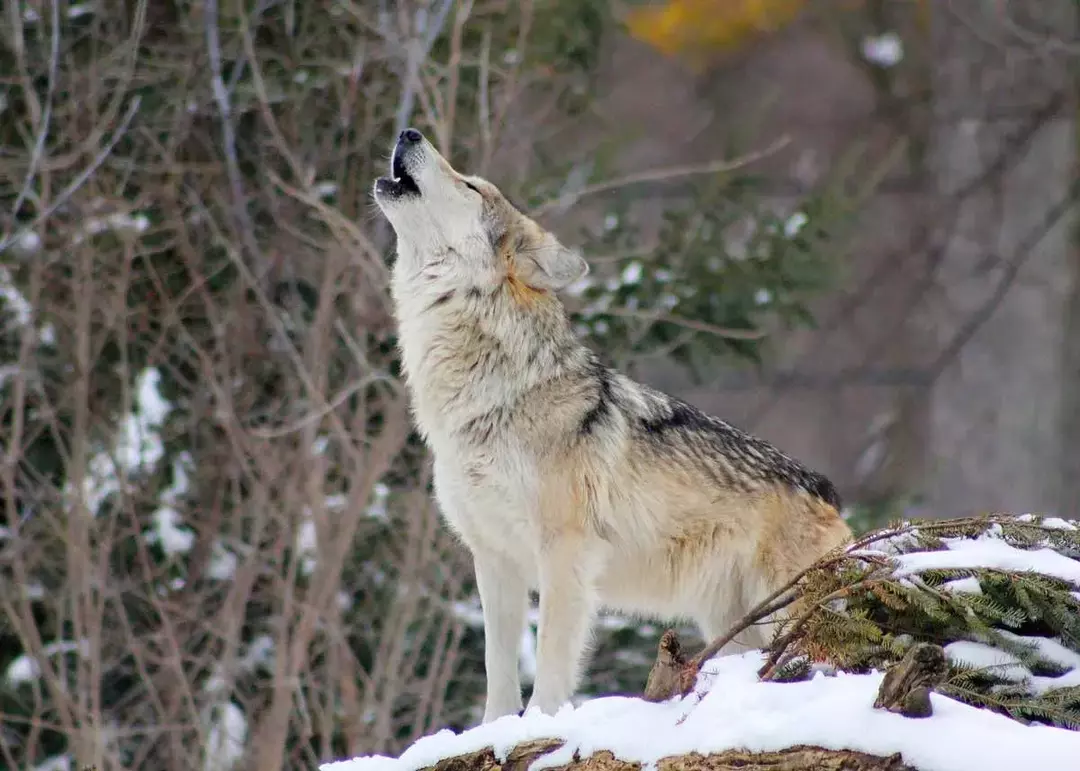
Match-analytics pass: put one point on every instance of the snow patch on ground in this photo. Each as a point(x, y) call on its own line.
point(742, 713)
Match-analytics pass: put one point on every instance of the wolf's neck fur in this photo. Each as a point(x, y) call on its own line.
point(472, 351)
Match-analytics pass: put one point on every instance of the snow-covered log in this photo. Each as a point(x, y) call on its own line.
point(524, 756)
point(938, 646)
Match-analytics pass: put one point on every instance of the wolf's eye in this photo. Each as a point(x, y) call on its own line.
point(471, 186)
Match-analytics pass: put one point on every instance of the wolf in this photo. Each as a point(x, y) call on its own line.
point(558, 473)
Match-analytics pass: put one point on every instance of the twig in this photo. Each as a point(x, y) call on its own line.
point(1022, 253)
point(43, 117)
point(416, 52)
point(483, 105)
point(510, 85)
point(241, 220)
point(446, 126)
point(660, 175)
point(767, 607)
point(332, 404)
point(338, 223)
point(697, 326)
point(86, 173)
point(665, 682)
point(932, 243)
point(768, 669)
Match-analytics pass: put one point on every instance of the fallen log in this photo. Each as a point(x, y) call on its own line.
point(520, 758)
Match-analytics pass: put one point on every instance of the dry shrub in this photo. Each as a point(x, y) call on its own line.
point(218, 546)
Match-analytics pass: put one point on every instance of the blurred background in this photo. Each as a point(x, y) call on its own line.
point(847, 226)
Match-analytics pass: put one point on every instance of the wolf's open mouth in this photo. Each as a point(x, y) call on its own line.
point(401, 181)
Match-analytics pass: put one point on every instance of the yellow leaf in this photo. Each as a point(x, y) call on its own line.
point(694, 29)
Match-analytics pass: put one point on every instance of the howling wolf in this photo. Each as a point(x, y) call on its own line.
point(560, 474)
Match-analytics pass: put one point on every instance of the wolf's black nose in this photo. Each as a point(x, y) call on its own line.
point(410, 136)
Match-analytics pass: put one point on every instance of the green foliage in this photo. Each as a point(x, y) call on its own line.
point(863, 613)
point(864, 516)
point(729, 273)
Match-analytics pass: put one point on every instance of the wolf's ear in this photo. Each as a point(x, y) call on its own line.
point(550, 265)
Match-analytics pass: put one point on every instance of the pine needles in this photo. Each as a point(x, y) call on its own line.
point(1001, 595)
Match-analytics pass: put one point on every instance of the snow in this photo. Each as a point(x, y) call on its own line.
point(631, 274)
point(1053, 651)
point(226, 739)
point(22, 670)
point(119, 222)
point(1010, 667)
point(1057, 523)
point(891, 543)
point(1052, 523)
point(988, 551)
point(74, 11)
point(26, 668)
point(139, 446)
point(981, 656)
point(169, 529)
point(307, 545)
point(380, 494)
point(27, 242)
point(140, 442)
point(969, 585)
point(12, 300)
point(795, 223)
point(885, 50)
point(56, 763)
point(170, 533)
point(743, 713)
point(223, 563)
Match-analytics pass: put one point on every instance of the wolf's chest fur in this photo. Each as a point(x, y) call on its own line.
point(478, 369)
point(496, 387)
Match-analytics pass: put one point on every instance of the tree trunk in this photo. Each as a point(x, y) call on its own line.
point(1005, 279)
point(791, 759)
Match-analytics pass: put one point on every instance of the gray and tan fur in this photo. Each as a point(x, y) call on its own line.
point(560, 474)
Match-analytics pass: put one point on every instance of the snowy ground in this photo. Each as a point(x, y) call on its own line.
point(739, 712)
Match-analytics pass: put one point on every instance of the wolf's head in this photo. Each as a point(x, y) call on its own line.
point(465, 226)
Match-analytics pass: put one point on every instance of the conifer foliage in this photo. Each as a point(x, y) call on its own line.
point(1000, 593)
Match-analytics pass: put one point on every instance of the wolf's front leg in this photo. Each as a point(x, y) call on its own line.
point(567, 608)
point(504, 598)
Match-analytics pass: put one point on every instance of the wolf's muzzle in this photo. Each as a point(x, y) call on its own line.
point(401, 182)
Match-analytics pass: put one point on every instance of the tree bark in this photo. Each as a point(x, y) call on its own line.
point(799, 758)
